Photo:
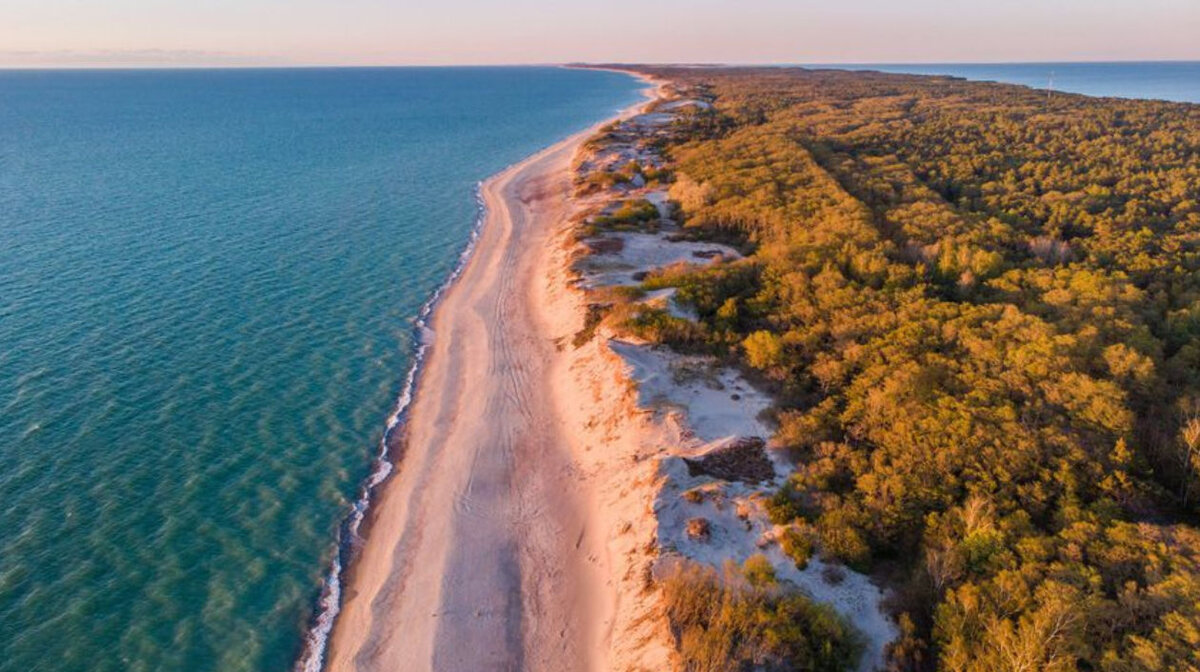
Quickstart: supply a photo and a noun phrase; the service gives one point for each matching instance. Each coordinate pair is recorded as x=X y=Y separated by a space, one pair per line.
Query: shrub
x=783 y=507
x=636 y=211
x=593 y=318
x=729 y=623
x=797 y=545
x=659 y=326
x=758 y=571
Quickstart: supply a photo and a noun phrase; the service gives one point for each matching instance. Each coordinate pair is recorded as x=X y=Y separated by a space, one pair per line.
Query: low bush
x=659 y=326
x=743 y=619
x=593 y=318
x=797 y=545
x=783 y=507
x=635 y=211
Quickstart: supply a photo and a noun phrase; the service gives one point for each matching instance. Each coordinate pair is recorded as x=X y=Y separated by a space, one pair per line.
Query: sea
x=212 y=290
x=1177 y=81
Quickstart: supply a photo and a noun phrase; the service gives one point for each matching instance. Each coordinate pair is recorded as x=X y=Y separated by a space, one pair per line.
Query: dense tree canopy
x=980 y=305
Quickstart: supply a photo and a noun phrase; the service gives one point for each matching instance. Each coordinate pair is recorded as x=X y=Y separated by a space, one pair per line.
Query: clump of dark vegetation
x=981 y=307
x=783 y=507
x=743 y=619
x=657 y=325
x=591 y=321
x=630 y=213
x=797 y=544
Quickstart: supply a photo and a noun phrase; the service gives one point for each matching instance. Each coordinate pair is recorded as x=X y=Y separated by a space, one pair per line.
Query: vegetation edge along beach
x=972 y=305
x=959 y=464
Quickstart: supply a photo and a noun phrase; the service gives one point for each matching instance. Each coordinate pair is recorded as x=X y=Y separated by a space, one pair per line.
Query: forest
x=979 y=307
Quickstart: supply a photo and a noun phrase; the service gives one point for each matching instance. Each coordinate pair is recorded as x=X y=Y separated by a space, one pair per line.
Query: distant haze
x=400 y=32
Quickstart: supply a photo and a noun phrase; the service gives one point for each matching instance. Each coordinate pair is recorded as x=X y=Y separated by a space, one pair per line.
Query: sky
x=451 y=32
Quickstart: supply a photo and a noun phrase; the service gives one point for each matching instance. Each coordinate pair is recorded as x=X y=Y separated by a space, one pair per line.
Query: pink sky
x=396 y=32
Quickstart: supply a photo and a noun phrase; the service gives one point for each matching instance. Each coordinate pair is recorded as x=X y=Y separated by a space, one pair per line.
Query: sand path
x=479 y=556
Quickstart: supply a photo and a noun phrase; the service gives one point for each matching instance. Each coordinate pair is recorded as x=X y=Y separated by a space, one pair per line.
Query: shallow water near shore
x=207 y=281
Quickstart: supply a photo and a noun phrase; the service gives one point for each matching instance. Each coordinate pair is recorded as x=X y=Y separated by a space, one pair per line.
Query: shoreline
x=373 y=524
x=357 y=524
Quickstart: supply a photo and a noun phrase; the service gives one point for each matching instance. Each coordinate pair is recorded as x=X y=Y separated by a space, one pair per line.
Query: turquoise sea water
x=1164 y=80
x=207 y=286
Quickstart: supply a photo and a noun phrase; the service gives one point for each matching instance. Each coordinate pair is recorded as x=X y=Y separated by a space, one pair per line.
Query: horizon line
x=578 y=64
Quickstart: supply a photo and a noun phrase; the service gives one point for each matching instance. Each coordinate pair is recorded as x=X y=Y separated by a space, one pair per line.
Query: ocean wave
x=316 y=640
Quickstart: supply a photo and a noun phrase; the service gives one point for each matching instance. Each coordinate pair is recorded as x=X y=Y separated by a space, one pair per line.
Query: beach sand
x=489 y=548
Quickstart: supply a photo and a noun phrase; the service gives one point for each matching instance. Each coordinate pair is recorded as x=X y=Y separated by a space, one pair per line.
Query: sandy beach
x=481 y=553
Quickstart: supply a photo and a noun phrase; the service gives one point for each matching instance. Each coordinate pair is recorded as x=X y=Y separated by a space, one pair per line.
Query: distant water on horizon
x=207 y=286
x=1177 y=81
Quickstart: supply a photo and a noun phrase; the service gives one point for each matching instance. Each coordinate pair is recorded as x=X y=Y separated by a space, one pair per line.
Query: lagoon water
x=207 y=286
x=1177 y=81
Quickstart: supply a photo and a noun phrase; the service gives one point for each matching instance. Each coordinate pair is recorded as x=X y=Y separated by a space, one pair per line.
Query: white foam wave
x=312 y=658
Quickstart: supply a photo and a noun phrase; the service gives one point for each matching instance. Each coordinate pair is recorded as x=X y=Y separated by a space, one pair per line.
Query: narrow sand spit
x=487 y=551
